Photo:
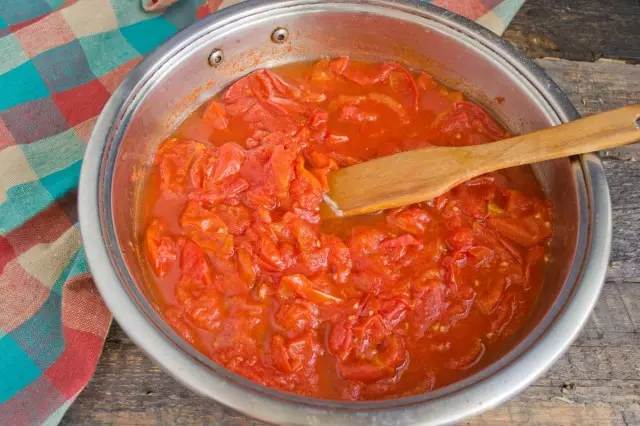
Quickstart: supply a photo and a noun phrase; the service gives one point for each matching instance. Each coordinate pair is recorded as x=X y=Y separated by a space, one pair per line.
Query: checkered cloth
x=59 y=62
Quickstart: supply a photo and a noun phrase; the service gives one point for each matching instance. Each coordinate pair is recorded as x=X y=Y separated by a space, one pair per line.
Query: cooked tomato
x=160 y=247
x=371 y=307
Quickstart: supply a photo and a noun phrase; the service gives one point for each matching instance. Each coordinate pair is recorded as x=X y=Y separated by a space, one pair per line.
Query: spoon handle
x=597 y=132
x=413 y=176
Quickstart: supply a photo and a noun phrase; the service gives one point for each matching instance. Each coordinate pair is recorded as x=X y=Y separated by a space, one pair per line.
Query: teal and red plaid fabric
x=59 y=62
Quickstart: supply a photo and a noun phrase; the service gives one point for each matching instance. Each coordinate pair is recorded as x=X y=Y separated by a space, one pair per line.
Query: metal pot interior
x=181 y=78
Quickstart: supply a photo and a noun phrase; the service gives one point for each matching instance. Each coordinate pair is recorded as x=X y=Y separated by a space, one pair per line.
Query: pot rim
x=448 y=404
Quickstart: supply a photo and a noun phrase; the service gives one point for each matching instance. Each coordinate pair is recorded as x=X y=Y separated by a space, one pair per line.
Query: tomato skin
x=236 y=218
x=198 y=219
x=194 y=264
x=527 y=231
x=216 y=115
x=489 y=299
x=461 y=238
x=340 y=339
x=430 y=302
x=393 y=312
x=306 y=189
x=339 y=258
x=246 y=267
x=230 y=161
x=296 y=316
x=282 y=167
x=161 y=249
x=392 y=356
x=205 y=311
x=374 y=307
x=401 y=241
x=413 y=220
x=293 y=354
x=467 y=124
x=174 y=159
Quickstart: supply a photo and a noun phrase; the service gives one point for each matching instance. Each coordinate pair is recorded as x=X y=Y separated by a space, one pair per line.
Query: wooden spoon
x=422 y=174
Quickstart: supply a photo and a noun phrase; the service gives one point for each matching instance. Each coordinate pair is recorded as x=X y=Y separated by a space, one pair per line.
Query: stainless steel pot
x=200 y=60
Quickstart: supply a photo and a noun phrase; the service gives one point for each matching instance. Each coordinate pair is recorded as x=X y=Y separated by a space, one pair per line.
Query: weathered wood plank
x=595 y=87
x=596 y=383
x=583 y=30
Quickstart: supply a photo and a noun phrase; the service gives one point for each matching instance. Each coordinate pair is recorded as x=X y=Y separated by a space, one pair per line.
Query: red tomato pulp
x=370 y=307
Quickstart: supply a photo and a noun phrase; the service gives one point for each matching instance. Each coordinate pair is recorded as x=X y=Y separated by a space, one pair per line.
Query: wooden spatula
x=422 y=174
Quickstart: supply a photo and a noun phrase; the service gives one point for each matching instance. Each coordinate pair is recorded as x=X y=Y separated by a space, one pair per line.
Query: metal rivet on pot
x=638 y=121
x=215 y=58
x=280 y=35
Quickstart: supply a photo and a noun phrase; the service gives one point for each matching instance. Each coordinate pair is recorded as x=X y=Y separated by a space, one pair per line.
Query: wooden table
x=592 y=50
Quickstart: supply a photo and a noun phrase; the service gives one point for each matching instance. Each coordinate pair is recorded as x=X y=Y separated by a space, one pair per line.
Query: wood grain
x=597 y=382
x=580 y=30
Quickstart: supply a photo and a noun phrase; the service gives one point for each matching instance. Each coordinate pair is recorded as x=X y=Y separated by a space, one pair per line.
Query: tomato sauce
x=371 y=307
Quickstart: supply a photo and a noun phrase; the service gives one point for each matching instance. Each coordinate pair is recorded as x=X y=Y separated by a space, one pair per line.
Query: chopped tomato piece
x=413 y=220
x=411 y=82
x=194 y=264
x=526 y=231
x=366 y=241
x=467 y=124
x=174 y=159
x=339 y=258
x=246 y=267
x=517 y=203
x=293 y=354
x=431 y=302
x=219 y=244
x=196 y=217
x=237 y=218
x=311 y=252
x=393 y=312
x=489 y=298
x=306 y=189
x=359 y=74
x=341 y=339
x=229 y=162
x=160 y=248
x=216 y=115
x=481 y=254
x=282 y=167
x=461 y=238
x=385 y=364
x=297 y=316
x=205 y=311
